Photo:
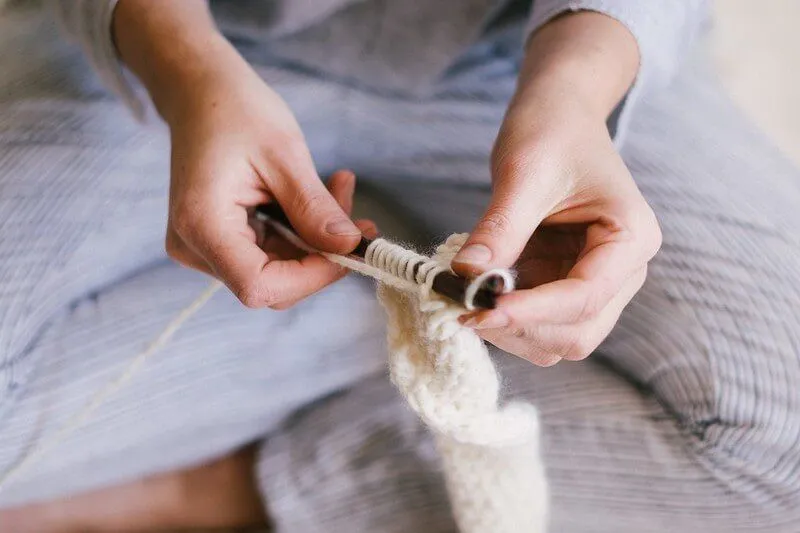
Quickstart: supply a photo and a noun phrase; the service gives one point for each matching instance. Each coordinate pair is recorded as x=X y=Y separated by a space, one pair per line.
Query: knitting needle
x=445 y=283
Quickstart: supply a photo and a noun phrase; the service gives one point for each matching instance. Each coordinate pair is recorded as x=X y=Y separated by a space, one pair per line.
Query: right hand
x=236 y=144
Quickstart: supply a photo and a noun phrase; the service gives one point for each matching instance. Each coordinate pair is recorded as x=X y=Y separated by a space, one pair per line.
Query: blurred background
x=756 y=46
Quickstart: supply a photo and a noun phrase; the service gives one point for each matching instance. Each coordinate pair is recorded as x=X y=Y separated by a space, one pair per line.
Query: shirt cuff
x=664 y=30
x=89 y=22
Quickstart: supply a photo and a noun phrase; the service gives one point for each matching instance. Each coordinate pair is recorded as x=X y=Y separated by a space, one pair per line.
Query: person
x=607 y=131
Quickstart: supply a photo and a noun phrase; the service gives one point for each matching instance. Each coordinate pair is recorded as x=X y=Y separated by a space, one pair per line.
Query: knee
x=741 y=419
x=727 y=370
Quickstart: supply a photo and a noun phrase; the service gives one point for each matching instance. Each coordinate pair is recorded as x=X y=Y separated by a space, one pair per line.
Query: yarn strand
x=79 y=418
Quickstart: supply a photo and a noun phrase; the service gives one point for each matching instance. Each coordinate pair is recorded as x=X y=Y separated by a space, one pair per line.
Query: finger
x=515 y=210
x=542 y=349
x=610 y=257
x=180 y=253
x=613 y=254
x=574 y=299
x=584 y=341
x=545 y=344
x=279 y=280
x=342 y=185
x=540 y=343
x=315 y=214
x=221 y=236
x=368 y=229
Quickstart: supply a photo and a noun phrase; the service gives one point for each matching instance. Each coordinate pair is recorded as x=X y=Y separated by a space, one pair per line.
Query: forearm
x=585 y=57
x=171 y=47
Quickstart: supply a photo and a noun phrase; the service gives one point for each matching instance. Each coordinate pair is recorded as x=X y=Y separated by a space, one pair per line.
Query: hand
x=235 y=144
x=565 y=212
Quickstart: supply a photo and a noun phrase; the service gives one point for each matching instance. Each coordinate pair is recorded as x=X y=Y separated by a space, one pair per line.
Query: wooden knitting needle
x=445 y=283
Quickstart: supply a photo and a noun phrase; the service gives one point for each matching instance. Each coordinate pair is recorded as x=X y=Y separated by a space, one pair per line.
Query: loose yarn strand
x=79 y=418
x=490 y=452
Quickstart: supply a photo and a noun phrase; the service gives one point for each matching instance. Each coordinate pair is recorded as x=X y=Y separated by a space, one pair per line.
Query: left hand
x=565 y=211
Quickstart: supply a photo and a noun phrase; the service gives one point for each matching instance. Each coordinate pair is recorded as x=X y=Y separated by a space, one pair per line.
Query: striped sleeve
x=664 y=30
x=88 y=22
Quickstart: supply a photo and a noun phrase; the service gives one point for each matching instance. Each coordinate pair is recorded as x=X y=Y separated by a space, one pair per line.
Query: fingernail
x=342 y=227
x=497 y=319
x=469 y=322
x=371 y=232
x=476 y=254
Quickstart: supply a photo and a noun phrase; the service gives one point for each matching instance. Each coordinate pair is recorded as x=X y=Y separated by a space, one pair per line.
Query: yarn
x=400 y=267
x=84 y=414
x=490 y=454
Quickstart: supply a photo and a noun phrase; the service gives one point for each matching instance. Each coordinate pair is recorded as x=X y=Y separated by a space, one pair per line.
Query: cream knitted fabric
x=490 y=454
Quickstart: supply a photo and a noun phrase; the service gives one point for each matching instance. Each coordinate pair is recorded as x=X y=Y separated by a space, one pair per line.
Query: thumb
x=504 y=229
x=316 y=215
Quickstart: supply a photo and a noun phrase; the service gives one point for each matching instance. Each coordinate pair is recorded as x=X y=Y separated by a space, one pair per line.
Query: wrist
x=585 y=58
x=188 y=84
x=174 y=49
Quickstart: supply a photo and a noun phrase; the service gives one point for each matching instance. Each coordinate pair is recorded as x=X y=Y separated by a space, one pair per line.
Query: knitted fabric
x=490 y=453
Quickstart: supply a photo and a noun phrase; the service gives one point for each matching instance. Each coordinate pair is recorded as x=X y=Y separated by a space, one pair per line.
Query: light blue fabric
x=406 y=48
x=687 y=419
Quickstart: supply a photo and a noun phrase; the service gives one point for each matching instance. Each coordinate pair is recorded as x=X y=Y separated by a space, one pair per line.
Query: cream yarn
x=490 y=454
x=494 y=474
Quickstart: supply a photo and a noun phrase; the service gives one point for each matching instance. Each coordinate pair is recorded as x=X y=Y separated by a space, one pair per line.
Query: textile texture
x=686 y=419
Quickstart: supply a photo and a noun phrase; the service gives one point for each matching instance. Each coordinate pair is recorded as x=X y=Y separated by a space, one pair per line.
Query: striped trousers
x=686 y=419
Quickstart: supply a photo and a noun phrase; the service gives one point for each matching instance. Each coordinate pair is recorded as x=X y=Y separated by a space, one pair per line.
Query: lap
x=715 y=331
x=705 y=433
x=85 y=285
x=712 y=336
x=225 y=379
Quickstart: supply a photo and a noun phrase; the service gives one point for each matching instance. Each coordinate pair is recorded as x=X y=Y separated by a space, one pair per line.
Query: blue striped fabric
x=687 y=418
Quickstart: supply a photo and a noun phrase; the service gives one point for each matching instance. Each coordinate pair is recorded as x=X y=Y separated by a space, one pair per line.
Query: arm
x=663 y=30
x=235 y=144
x=565 y=210
x=170 y=46
x=88 y=22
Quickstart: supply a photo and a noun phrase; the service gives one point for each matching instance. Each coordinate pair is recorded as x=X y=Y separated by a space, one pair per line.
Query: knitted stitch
x=490 y=454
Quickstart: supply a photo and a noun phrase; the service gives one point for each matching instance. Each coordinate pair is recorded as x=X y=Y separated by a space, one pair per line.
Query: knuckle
x=293 y=147
x=541 y=357
x=590 y=306
x=548 y=360
x=256 y=296
x=247 y=298
x=512 y=163
x=652 y=233
x=182 y=221
x=283 y=156
x=496 y=221
x=578 y=348
x=173 y=246
x=640 y=277
x=310 y=203
x=283 y=306
x=656 y=239
x=519 y=332
x=648 y=232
